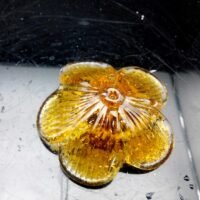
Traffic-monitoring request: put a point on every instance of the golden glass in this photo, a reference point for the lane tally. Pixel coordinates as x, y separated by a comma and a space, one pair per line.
100, 118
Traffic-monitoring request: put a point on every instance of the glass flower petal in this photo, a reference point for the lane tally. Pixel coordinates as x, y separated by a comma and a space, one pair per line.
100, 118
150, 145
63, 114
92, 159
91, 74
140, 84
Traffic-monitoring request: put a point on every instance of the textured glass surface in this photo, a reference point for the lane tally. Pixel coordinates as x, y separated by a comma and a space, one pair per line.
100, 119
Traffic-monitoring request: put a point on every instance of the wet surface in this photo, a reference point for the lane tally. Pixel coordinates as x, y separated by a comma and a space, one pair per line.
29, 170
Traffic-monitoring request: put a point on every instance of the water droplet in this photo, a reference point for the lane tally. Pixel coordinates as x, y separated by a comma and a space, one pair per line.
18, 148
153, 70
56, 44
149, 195
186, 178
181, 197
84, 22
142, 17
191, 186
2, 109
52, 58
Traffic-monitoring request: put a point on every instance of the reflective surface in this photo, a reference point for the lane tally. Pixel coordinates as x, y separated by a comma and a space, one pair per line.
30, 171
163, 35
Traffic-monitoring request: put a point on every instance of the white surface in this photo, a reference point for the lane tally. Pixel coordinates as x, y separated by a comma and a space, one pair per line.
29, 171
189, 96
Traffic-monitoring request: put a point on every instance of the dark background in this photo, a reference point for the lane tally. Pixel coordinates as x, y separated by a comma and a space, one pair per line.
159, 34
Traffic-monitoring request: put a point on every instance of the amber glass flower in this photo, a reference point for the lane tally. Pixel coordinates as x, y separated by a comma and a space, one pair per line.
100, 118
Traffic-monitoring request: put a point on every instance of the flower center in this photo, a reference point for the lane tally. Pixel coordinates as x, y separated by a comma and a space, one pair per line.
112, 98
